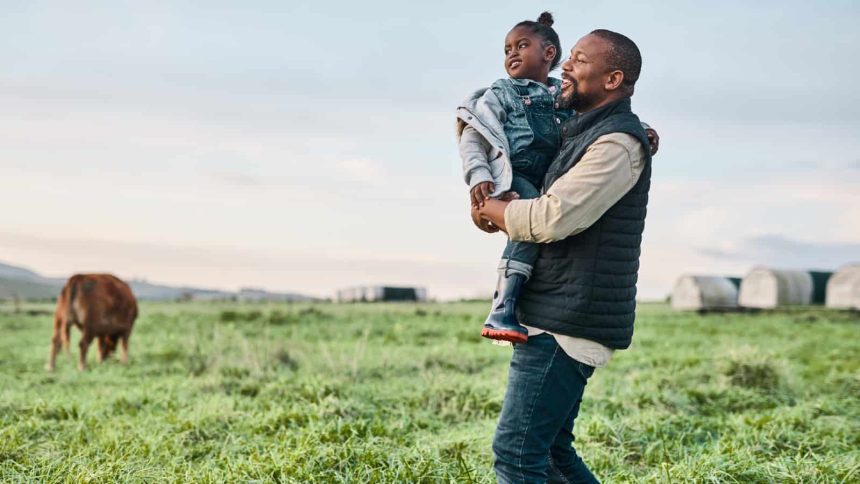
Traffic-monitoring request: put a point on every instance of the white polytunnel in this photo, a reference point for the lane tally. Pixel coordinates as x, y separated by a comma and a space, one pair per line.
703, 293
765, 288
843, 289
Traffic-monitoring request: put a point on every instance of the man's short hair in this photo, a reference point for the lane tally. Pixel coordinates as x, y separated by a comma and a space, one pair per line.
623, 56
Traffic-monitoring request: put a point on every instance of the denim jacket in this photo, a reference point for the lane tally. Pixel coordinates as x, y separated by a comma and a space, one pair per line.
493, 128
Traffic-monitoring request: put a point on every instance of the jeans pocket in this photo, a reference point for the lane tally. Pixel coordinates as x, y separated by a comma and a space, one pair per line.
522, 165
584, 369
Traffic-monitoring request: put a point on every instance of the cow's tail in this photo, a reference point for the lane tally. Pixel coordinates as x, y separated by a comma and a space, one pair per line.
71, 293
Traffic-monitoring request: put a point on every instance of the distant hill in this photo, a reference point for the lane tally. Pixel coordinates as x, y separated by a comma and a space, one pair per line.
13, 272
11, 288
24, 283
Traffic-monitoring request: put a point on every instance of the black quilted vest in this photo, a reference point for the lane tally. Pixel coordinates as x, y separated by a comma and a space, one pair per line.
585, 285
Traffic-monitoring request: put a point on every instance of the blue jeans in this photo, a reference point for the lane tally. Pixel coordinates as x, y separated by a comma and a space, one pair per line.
520, 257
534, 438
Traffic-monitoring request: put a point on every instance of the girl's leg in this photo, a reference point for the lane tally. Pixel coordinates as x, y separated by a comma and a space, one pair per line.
514, 269
519, 257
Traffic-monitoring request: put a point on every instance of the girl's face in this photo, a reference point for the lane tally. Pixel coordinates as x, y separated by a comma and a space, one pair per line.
525, 55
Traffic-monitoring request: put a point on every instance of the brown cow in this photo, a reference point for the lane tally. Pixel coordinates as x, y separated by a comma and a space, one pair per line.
101, 306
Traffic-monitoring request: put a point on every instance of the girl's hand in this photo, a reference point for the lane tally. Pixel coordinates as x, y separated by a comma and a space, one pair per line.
481, 192
654, 139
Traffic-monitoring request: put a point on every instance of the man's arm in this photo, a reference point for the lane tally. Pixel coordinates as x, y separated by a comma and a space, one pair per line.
606, 172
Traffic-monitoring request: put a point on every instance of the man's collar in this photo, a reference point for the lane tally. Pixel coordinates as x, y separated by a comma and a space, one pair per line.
582, 121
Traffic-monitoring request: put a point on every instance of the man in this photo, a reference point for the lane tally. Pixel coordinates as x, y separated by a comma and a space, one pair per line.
579, 303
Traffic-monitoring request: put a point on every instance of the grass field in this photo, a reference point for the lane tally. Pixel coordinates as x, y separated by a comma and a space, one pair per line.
410, 393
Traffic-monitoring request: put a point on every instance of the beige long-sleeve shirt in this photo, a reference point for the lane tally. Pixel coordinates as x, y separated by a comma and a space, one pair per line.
605, 173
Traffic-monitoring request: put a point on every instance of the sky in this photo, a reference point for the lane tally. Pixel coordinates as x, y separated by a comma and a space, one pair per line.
309, 146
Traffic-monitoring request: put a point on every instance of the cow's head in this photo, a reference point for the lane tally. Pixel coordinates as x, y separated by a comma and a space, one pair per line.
107, 344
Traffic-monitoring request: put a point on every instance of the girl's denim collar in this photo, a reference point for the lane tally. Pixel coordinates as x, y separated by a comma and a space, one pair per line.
550, 82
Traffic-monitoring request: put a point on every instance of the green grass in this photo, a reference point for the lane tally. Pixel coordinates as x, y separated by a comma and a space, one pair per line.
410, 393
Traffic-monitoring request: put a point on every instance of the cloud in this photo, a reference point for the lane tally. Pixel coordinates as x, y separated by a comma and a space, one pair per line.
198, 140
236, 179
779, 251
314, 271
361, 170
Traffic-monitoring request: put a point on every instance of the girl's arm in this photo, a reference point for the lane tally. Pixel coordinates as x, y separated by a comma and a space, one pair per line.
474, 151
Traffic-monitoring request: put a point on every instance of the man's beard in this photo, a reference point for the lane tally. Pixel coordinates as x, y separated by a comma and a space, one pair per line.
577, 101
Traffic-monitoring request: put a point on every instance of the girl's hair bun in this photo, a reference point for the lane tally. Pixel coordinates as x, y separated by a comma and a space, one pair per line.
546, 19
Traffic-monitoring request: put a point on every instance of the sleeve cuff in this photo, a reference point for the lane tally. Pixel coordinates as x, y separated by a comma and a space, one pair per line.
479, 174
518, 220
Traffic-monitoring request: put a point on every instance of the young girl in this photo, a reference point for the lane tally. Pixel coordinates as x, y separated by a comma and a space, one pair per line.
508, 135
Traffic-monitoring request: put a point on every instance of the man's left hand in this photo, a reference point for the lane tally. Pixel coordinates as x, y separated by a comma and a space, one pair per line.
481, 222
654, 139
494, 212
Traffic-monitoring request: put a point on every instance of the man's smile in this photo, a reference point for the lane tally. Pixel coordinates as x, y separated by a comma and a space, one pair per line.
565, 82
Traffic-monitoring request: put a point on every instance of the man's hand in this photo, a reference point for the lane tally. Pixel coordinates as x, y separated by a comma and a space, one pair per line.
481, 192
494, 211
481, 222
654, 139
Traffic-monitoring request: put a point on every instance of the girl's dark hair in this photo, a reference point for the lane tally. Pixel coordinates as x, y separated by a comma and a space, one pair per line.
543, 28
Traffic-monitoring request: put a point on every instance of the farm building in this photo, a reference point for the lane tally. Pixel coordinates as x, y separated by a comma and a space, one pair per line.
843, 289
703, 293
764, 287
254, 294
381, 293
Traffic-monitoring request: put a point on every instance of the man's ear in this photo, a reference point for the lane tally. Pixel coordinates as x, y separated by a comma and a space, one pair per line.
614, 80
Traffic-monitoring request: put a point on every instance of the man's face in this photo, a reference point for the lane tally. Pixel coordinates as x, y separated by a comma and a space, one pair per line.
584, 74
